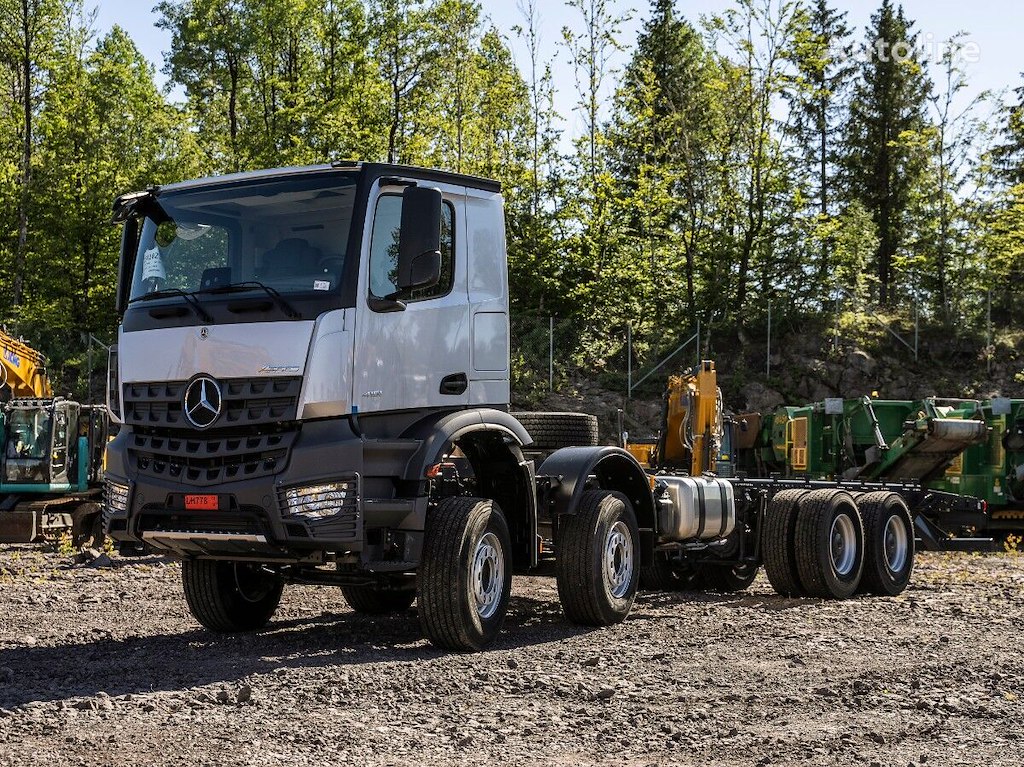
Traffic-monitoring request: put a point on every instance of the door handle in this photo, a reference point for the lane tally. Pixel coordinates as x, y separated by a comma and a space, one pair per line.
454, 384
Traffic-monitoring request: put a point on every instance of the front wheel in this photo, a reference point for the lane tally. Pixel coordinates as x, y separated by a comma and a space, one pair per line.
230, 596
465, 578
598, 558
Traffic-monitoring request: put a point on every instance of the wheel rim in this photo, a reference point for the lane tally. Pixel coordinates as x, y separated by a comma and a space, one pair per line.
895, 544
253, 584
618, 560
488, 576
843, 545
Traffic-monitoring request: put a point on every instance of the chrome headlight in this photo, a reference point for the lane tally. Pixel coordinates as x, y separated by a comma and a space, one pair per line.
321, 500
115, 497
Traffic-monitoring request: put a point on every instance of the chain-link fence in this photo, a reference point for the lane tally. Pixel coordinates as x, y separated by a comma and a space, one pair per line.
556, 355
561, 356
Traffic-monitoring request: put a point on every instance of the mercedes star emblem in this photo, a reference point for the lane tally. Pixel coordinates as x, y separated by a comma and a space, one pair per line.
203, 402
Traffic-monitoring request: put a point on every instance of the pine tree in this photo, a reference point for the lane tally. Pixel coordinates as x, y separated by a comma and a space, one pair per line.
821, 54
885, 142
211, 46
1008, 156
663, 132
29, 32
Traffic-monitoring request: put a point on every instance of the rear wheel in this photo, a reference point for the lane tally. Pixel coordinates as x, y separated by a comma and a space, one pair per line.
888, 544
373, 600
829, 544
465, 578
665, 575
230, 596
777, 543
729, 578
597, 565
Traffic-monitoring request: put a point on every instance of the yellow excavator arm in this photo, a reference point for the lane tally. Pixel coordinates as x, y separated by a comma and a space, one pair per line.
23, 369
692, 431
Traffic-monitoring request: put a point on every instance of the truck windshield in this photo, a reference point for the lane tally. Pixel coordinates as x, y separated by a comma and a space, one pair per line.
287, 234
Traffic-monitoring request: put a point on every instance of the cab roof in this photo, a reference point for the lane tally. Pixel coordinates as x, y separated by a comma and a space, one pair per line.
370, 170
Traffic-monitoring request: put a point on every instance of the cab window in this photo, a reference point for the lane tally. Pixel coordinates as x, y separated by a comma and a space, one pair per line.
387, 220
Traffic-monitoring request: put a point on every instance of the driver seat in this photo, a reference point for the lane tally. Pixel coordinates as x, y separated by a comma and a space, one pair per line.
291, 257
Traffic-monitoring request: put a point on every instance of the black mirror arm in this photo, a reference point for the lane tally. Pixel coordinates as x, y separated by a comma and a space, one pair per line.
390, 303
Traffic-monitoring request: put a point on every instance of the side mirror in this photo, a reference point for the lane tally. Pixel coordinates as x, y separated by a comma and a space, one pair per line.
126, 263
419, 244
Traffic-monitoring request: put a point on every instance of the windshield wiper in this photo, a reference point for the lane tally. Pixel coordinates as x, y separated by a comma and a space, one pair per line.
189, 297
276, 297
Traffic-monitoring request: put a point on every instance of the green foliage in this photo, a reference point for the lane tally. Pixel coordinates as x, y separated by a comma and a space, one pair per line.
886, 146
742, 162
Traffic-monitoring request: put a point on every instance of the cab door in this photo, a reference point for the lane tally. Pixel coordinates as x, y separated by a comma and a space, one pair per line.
419, 356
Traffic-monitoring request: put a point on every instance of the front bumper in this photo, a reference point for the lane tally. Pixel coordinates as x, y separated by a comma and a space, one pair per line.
317, 500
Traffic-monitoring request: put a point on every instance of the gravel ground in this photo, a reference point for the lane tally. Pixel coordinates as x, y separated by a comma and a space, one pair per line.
106, 666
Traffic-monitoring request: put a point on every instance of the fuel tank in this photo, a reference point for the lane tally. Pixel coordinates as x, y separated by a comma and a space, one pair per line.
695, 508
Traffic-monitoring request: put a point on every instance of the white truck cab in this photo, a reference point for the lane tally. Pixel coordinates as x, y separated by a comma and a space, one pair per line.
306, 357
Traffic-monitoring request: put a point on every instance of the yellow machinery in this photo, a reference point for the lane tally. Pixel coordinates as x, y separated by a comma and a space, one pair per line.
692, 425
693, 421
23, 369
51, 454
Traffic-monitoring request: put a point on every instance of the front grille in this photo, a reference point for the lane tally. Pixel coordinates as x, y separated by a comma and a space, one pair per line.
211, 459
246, 402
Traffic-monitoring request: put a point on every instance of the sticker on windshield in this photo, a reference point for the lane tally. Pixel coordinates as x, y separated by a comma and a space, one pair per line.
191, 231
321, 284
153, 265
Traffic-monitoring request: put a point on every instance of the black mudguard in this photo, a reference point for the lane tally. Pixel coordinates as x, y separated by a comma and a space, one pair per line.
437, 433
613, 468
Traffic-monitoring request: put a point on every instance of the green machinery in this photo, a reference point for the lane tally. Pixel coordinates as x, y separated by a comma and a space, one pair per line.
865, 438
51, 469
971, 448
992, 470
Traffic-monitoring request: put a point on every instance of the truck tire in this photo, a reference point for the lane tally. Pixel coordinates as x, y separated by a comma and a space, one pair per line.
465, 577
371, 600
87, 529
777, 543
597, 559
551, 431
660, 575
829, 544
888, 544
230, 596
727, 579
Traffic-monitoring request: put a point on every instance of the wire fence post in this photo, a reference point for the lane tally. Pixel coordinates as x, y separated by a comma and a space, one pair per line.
551, 353
629, 360
90, 339
768, 355
988, 334
917, 328
835, 337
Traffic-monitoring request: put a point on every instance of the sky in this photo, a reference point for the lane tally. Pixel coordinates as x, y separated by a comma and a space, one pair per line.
993, 28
